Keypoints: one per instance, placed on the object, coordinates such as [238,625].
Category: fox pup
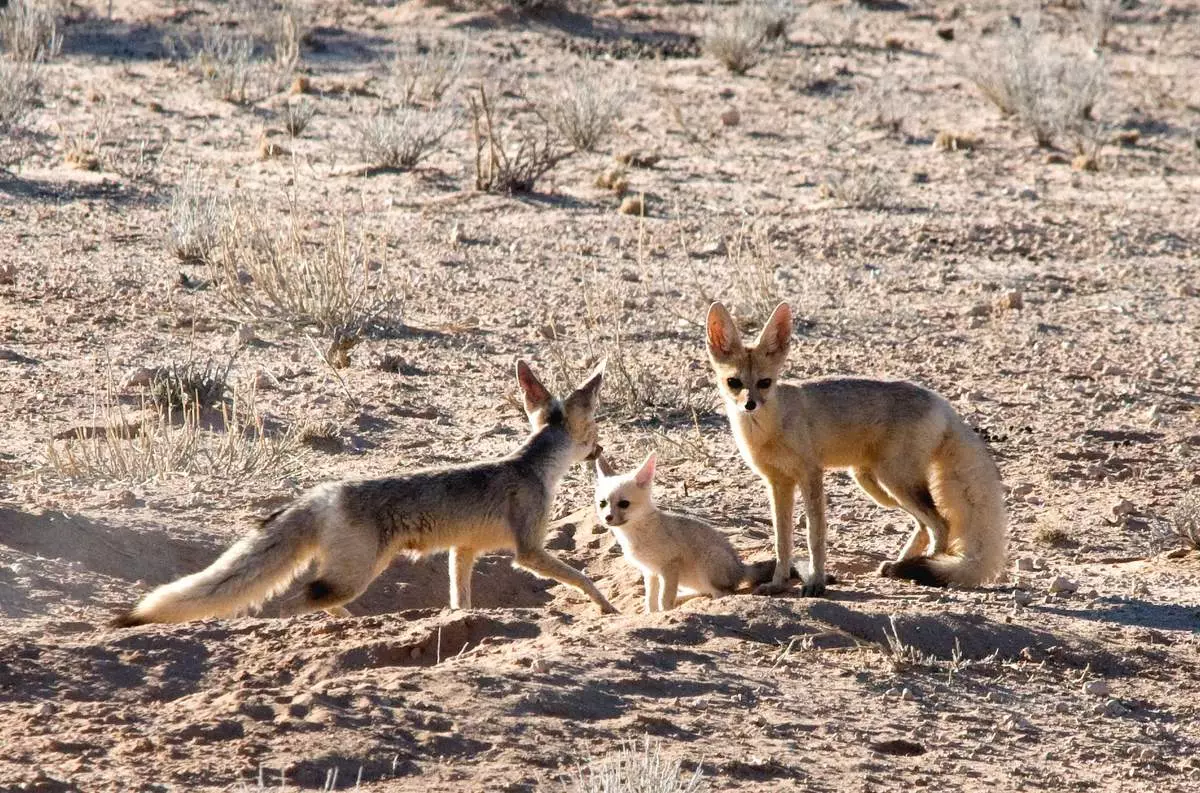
[670,549]
[353,529]
[905,446]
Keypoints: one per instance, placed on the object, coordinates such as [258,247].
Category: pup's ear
[723,337]
[776,335]
[587,395]
[645,474]
[536,395]
[603,469]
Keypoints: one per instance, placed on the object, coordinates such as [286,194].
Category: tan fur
[905,446]
[353,529]
[674,552]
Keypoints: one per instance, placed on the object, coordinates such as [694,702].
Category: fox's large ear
[588,394]
[645,474]
[776,335]
[603,468]
[536,395]
[723,337]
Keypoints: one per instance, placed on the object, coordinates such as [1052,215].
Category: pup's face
[747,376]
[623,497]
[577,412]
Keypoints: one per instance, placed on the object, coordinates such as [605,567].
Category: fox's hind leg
[870,485]
[341,578]
[669,590]
[912,494]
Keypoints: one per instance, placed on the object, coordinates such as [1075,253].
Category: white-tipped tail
[259,565]
[966,488]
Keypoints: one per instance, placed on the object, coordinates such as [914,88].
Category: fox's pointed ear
[645,474]
[776,335]
[723,337]
[588,393]
[536,394]
[603,468]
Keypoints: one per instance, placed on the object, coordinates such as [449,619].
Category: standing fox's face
[576,413]
[623,497]
[746,376]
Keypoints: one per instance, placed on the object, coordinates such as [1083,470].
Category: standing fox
[670,549]
[904,444]
[354,528]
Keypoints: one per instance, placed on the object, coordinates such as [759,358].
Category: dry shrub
[863,189]
[1027,75]
[20,90]
[267,266]
[956,141]
[400,138]
[297,115]
[232,441]
[1185,521]
[752,262]
[583,107]
[737,37]
[423,73]
[501,165]
[178,387]
[634,769]
[29,31]
[194,219]
[226,61]
[1096,19]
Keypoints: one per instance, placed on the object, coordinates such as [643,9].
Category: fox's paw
[608,608]
[772,588]
[813,588]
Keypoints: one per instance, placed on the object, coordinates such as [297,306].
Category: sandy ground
[1058,309]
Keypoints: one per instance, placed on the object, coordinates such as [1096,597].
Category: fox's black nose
[608,518]
[750,405]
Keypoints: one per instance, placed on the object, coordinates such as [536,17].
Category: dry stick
[337,375]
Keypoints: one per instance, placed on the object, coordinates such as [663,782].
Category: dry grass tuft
[1028,76]
[424,73]
[633,205]
[20,90]
[1096,18]
[225,60]
[1054,537]
[738,37]
[502,166]
[583,108]
[194,219]
[335,283]
[121,445]
[637,770]
[866,189]
[297,116]
[188,387]
[400,138]
[1185,521]
[29,31]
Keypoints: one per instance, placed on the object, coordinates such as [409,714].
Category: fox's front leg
[650,579]
[783,499]
[812,487]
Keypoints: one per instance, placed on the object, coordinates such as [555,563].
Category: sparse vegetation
[424,73]
[1096,19]
[1029,76]
[136,446]
[225,60]
[297,115]
[501,165]
[188,387]
[1054,537]
[1185,521]
[194,219]
[737,37]
[29,30]
[947,140]
[20,89]
[634,769]
[583,107]
[334,283]
[400,138]
[862,189]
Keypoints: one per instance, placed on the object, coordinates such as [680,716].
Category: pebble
[1122,508]
[1064,585]
[731,117]
[1097,688]
[1022,597]
[1026,564]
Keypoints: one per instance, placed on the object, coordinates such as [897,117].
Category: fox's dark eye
[735,384]
[603,504]
[622,503]
[764,383]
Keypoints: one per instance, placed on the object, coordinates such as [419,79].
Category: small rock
[1097,688]
[1026,564]
[1022,597]
[731,117]
[1063,585]
[633,205]
[124,499]
[1115,707]
[1122,508]
[979,310]
[1028,194]
[1012,300]
[264,380]
[539,666]
[946,33]
[245,335]
[907,695]
[1021,490]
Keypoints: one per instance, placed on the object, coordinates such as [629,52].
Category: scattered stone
[1023,489]
[731,117]
[1022,597]
[1028,194]
[1097,688]
[946,33]
[1122,508]
[264,380]
[1026,564]
[1012,300]
[1062,585]
[124,499]
[539,666]
[1085,162]
[633,205]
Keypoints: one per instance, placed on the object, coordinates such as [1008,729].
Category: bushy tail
[966,490]
[253,569]
[756,573]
